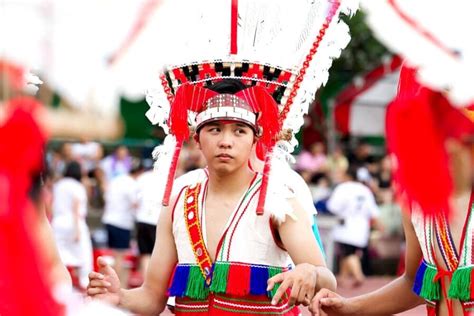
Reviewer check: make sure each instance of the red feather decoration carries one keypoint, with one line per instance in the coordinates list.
(418, 123)
(24, 288)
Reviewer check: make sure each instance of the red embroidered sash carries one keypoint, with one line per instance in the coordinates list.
(191, 216)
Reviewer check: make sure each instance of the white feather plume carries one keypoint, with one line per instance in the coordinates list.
(279, 33)
(447, 22)
(163, 156)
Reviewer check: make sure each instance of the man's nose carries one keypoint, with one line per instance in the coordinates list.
(226, 140)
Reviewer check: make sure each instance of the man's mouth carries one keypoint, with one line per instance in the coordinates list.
(224, 156)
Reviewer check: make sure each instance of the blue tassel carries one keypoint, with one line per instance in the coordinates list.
(420, 273)
(180, 281)
(258, 280)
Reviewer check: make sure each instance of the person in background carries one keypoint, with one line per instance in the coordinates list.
(88, 154)
(121, 202)
(69, 224)
(117, 163)
(354, 203)
(146, 218)
(337, 164)
(312, 162)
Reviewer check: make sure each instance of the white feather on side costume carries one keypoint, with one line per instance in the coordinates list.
(431, 35)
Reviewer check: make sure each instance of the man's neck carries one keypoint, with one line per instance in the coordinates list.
(230, 183)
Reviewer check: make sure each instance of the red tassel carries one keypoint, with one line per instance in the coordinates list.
(178, 119)
(171, 174)
(263, 188)
(418, 123)
(259, 98)
(238, 282)
(261, 101)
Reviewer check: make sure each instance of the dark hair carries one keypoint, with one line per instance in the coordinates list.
(352, 172)
(231, 86)
(136, 166)
(73, 170)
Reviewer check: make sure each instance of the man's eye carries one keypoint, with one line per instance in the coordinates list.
(214, 129)
(241, 131)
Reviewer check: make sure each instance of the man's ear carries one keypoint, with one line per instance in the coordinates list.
(196, 139)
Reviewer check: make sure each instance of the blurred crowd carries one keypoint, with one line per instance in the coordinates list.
(86, 182)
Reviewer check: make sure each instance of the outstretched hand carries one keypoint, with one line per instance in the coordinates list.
(302, 281)
(326, 302)
(105, 284)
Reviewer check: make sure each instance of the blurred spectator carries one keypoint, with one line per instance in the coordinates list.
(354, 203)
(121, 202)
(361, 155)
(147, 217)
(337, 165)
(58, 159)
(193, 158)
(320, 192)
(88, 154)
(384, 176)
(390, 214)
(116, 164)
(69, 224)
(309, 163)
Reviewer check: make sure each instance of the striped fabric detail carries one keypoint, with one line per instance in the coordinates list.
(446, 243)
(186, 306)
(227, 241)
(223, 305)
(226, 305)
(236, 279)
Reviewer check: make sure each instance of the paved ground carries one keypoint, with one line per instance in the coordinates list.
(371, 284)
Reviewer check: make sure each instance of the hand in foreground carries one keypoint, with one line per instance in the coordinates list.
(326, 302)
(302, 281)
(105, 284)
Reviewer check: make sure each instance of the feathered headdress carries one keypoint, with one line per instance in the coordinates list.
(434, 83)
(282, 49)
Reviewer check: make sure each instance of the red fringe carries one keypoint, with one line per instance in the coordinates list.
(238, 282)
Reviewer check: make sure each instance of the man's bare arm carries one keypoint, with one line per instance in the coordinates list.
(150, 298)
(310, 273)
(298, 239)
(379, 302)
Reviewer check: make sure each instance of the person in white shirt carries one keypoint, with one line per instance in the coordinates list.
(355, 204)
(146, 216)
(121, 202)
(69, 223)
(88, 153)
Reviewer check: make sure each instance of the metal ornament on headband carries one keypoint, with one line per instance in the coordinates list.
(228, 107)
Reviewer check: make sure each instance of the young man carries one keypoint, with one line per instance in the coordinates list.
(226, 258)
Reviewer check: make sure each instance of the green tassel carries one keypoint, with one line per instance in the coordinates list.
(196, 288)
(430, 289)
(461, 284)
(272, 271)
(219, 277)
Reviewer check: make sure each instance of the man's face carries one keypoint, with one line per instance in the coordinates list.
(226, 145)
